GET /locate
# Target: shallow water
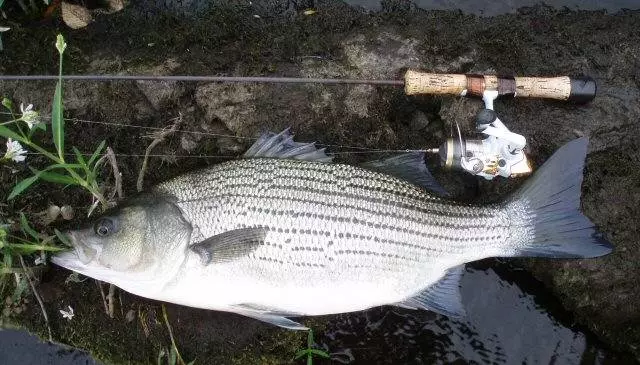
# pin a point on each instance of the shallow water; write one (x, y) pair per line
(511, 319)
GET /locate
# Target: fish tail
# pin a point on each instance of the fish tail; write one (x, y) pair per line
(546, 210)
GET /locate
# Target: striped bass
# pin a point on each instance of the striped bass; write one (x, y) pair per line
(284, 232)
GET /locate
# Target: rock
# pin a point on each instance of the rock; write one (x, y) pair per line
(75, 16)
(419, 121)
(233, 104)
(189, 142)
(359, 99)
(382, 57)
(161, 93)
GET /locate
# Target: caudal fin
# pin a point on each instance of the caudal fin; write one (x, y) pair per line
(548, 204)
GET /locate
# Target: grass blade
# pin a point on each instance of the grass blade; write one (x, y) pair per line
(79, 156)
(8, 133)
(63, 238)
(26, 228)
(300, 353)
(320, 353)
(96, 153)
(56, 178)
(57, 122)
(22, 186)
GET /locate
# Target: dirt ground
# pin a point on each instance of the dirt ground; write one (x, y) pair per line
(337, 41)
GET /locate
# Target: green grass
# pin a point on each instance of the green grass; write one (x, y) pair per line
(310, 351)
(27, 130)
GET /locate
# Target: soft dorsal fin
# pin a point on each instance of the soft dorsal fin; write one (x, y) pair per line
(408, 166)
(229, 246)
(282, 145)
(442, 297)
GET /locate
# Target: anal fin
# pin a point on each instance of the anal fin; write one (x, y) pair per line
(263, 314)
(442, 297)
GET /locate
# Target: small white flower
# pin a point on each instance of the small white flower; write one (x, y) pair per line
(67, 314)
(15, 151)
(29, 116)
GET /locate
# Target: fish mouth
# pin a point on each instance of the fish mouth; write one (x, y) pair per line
(76, 258)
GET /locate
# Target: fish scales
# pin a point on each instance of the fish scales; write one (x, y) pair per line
(330, 222)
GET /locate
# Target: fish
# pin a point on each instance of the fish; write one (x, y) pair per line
(284, 232)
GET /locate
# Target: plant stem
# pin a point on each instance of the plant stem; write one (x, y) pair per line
(35, 293)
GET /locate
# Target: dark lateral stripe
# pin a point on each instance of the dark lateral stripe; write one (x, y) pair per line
(438, 208)
(385, 202)
(415, 218)
(336, 173)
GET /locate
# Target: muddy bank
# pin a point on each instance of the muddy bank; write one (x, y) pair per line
(337, 41)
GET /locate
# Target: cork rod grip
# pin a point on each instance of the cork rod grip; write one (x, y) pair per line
(427, 83)
(543, 87)
(577, 90)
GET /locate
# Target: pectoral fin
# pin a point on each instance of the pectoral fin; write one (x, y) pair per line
(443, 297)
(229, 246)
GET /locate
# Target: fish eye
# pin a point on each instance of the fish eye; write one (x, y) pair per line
(104, 227)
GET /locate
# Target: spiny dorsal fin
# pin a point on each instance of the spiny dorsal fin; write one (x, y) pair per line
(408, 166)
(229, 246)
(442, 297)
(282, 145)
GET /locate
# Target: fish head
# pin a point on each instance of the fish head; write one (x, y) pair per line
(136, 242)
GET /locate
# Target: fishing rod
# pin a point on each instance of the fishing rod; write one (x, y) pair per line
(576, 90)
(499, 153)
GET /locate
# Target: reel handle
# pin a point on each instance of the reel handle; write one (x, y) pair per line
(578, 90)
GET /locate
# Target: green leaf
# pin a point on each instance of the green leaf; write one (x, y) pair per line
(8, 133)
(301, 353)
(7, 102)
(320, 353)
(79, 156)
(26, 228)
(61, 166)
(22, 186)
(56, 178)
(63, 238)
(57, 122)
(96, 153)
(173, 356)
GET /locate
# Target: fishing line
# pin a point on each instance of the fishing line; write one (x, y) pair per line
(362, 150)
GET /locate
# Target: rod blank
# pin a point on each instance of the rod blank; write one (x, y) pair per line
(239, 79)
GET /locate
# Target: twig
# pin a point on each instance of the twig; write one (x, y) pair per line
(110, 299)
(104, 298)
(35, 293)
(158, 137)
(121, 306)
(116, 174)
